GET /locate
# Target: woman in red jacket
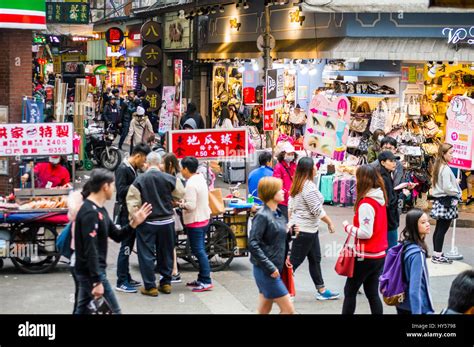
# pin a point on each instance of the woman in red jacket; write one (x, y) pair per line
(370, 230)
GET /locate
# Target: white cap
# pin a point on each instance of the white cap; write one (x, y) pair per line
(284, 146)
(140, 111)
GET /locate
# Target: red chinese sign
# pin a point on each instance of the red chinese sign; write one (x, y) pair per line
(268, 120)
(209, 143)
(36, 139)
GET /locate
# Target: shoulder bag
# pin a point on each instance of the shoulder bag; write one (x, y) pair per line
(346, 261)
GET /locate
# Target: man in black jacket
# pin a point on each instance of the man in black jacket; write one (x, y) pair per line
(388, 164)
(192, 112)
(93, 227)
(156, 237)
(129, 106)
(125, 174)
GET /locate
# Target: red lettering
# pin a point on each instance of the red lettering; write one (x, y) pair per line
(3, 132)
(17, 133)
(46, 131)
(62, 130)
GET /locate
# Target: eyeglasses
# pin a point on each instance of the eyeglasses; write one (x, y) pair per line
(389, 148)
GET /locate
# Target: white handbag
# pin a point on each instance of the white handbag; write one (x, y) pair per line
(381, 119)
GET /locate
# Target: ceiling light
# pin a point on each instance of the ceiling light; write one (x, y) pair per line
(237, 5)
(221, 9)
(246, 5)
(214, 9)
(200, 12)
(267, 3)
(181, 14)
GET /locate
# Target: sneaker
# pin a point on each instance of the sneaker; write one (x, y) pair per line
(441, 260)
(134, 283)
(193, 284)
(149, 292)
(165, 288)
(126, 288)
(176, 278)
(203, 287)
(470, 200)
(327, 295)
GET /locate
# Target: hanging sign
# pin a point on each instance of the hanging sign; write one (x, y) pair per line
(460, 131)
(114, 36)
(36, 139)
(268, 117)
(326, 127)
(209, 143)
(150, 77)
(275, 89)
(151, 55)
(67, 12)
(33, 111)
(150, 31)
(153, 98)
(178, 78)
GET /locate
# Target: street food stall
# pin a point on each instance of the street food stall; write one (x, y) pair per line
(31, 218)
(228, 231)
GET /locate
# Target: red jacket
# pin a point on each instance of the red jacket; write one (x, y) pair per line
(370, 226)
(58, 175)
(286, 174)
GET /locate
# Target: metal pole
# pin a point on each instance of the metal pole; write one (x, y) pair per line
(453, 253)
(267, 59)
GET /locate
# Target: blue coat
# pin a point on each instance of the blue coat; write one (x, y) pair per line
(418, 299)
(255, 177)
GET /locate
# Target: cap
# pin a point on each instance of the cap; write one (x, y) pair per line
(190, 122)
(140, 111)
(387, 155)
(285, 147)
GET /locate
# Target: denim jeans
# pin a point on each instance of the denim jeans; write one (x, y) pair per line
(306, 245)
(392, 238)
(155, 242)
(196, 238)
(123, 136)
(84, 295)
(126, 247)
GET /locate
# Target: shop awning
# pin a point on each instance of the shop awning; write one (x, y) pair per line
(290, 49)
(420, 49)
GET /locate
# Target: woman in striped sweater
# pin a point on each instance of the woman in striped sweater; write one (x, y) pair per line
(305, 209)
(370, 230)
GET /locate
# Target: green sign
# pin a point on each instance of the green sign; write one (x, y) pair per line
(67, 12)
(412, 74)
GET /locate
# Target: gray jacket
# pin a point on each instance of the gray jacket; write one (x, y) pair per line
(268, 240)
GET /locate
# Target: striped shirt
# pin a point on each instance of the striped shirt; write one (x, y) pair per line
(306, 208)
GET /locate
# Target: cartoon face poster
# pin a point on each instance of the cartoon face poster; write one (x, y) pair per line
(327, 125)
(460, 131)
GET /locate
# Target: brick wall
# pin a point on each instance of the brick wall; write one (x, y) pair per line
(15, 82)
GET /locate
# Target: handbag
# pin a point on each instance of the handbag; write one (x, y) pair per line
(346, 261)
(430, 128)
(178, 225)
(297, 116)
(380, 118)
(288, 279)
(426, 107)
(255, 137)
(216, 202)
(363, 108)
(353, 141)
(364, 145)
(414, 107)
(358, 124)
(430, 148)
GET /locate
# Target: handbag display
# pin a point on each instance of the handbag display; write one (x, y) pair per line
(414, 108)
(426, 107)
(364, 145)
(353, 141)
(430, 128)
(346, 261)
(216, 202)
(358, 124)
(340, 87)
(363, 108)
(255, 136)
(381, 118)
(297, 116)
(430, 148)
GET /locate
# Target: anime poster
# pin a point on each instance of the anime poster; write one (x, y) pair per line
(327, 125)
(460, 131)
(178, 80)
(167, 109)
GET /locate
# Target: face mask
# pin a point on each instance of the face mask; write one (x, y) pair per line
(380, 138)
(289, 158)
(54, 161)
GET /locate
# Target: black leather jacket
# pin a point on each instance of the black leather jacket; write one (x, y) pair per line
(268, 240)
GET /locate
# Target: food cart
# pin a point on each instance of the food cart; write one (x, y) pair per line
(30, 224)
(228, 231)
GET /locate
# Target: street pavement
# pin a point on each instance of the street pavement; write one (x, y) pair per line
(234, 291)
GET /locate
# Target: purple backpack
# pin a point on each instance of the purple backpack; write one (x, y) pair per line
(393, 285)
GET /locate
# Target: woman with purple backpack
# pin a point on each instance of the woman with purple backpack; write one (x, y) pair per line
(417, 296)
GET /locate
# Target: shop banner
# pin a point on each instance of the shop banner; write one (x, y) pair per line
(327, 126)
(67, 12)
(268, 118)
(460, 131)
(178, 78)
(23, 14)
(36, 139)
(275, 89)
(209, 143)
(167, 109)
(33, 111)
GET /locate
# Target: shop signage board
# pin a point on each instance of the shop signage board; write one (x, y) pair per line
(460, 131)
(150, 77)
(153, 98)
(167, 110)
(67, 12)
(177, 32)
(268, 118)
(327, 125)
(459, 35)
(114, 36)
(178, 79)
(23, 14)
(209, 143)
(36, 139)
(275, 89)
(151, 31)
(33, 111)
(151, 55)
